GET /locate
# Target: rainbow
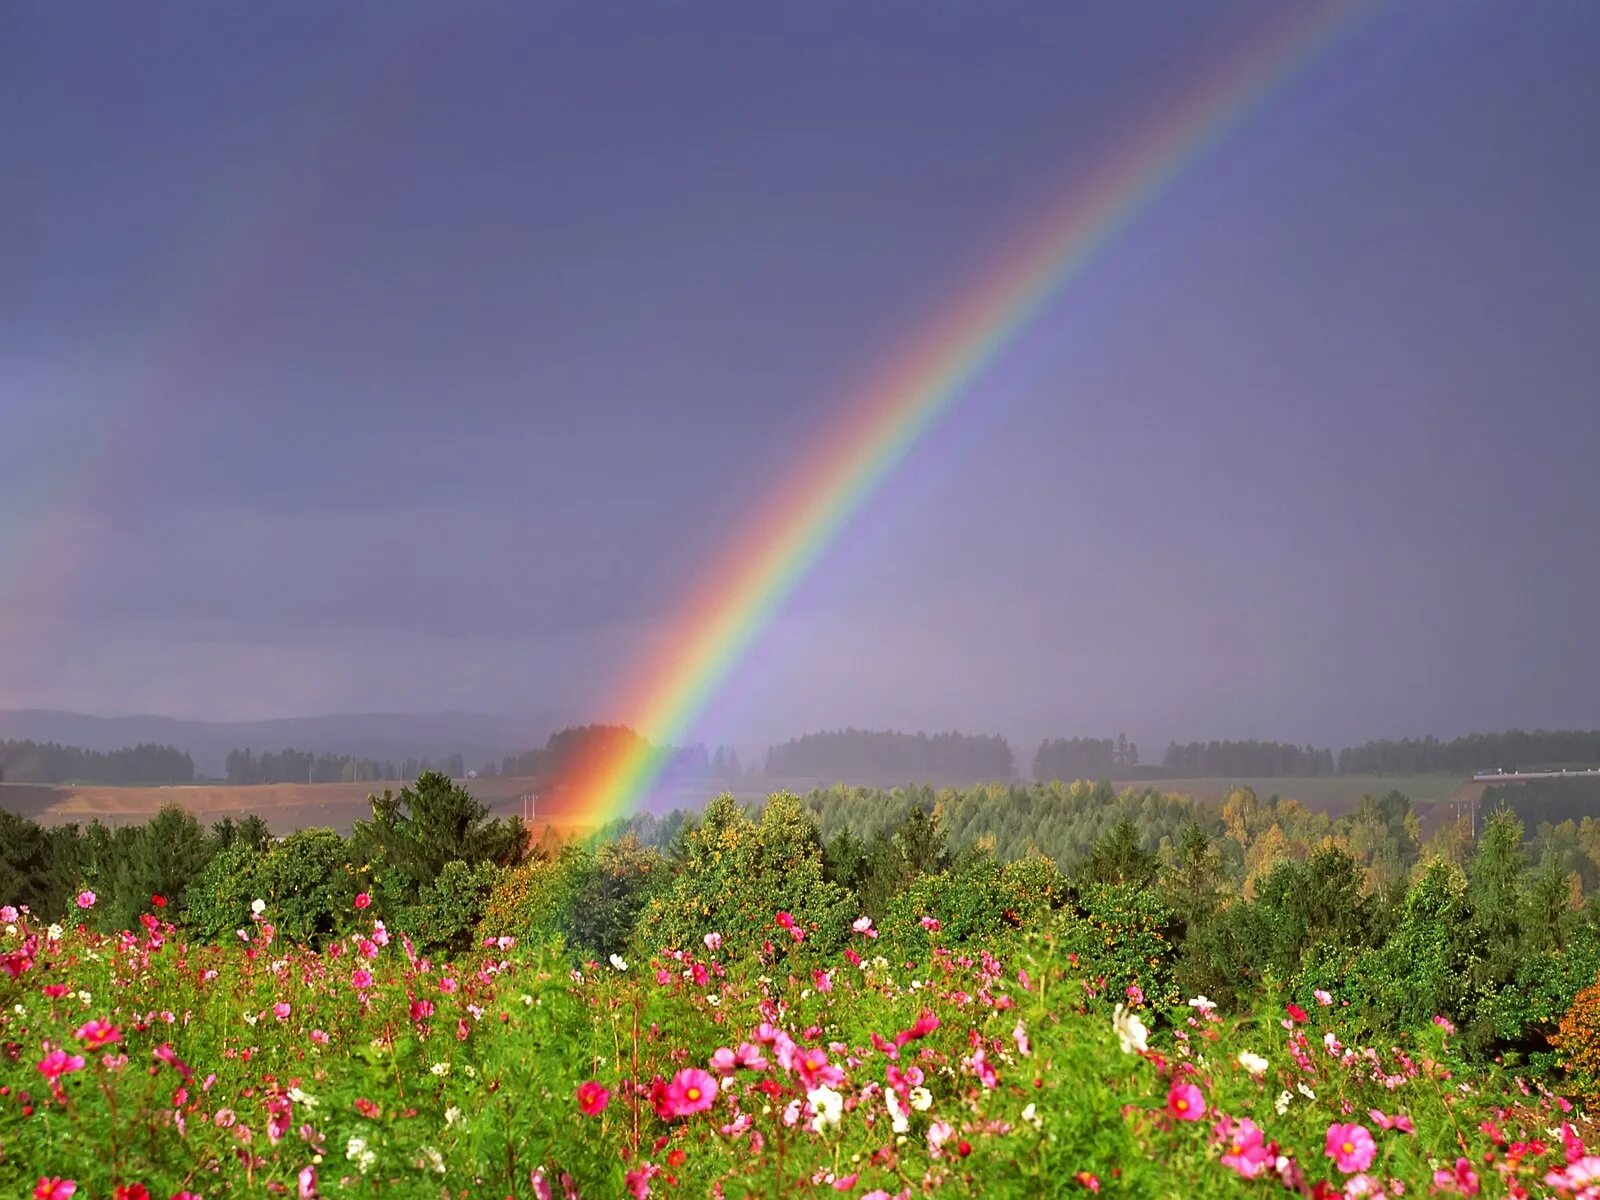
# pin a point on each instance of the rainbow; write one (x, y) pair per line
(740, 597)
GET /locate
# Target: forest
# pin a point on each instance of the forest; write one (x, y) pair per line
(49, 762)
(861, 752)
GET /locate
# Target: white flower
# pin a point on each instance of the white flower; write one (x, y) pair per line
(1281, 1104)
(1305, 1091)
(713, 999)
(897, 1115)
(452, 1117)
(619, 962)
(258, 906)
(300, 1097)
(356, 1151)
(432, 1158)
(1253, 1063)
(828, 1106)
(921, 1099)
(1130, 1030)
(441, 1069)
(53, 933)
(19, 1010)
(1031, 1116)
(527, 1000)
(250, 1018)
(1203, 1006)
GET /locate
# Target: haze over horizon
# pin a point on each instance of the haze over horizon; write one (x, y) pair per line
(404, 359)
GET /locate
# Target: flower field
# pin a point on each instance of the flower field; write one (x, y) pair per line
(135, 1065)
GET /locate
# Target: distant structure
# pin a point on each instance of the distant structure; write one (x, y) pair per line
(529, 802)
(1498, 775)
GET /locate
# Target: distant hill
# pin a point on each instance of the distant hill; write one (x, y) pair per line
(478, 737)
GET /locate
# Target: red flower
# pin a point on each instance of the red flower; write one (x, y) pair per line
(159, 901)
(785, 921)
(131, 1191)
(592, 1098)
(1297, 1013)
(362, 899)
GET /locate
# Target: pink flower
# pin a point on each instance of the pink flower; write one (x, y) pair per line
(1246, 1153)
(1444, 1023)
(1351, 1147)
(8, 915)
(931, 924)
(421, 1010)
(361, 979)
(723, 1062)
(1399, 1121)
(281, 1010)
(713, 941)
(85, 900)
(541, 1185)
(1322, 997)
(785, 921)
(863, 925)
(307, 1189)
(53, 1187)
(980, 1066)
(319, 1036)
(1135, 994)
(1020, 1036)
(96, 1034)
(592, 1098)
(1462, 1179)
(363, 899)
(58, 1063)
(690, 1091)
(1185, 1102)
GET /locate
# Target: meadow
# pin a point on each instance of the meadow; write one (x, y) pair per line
(434, 1007)
(140, 1065)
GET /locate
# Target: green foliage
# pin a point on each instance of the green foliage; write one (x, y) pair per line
(735, 874)
(447, 909)
(606, 903)
(1124, 933)
(413, 835)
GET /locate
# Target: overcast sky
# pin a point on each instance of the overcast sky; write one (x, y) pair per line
(418, 356)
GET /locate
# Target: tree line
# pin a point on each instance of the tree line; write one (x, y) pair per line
(1246, 760)
(1084, 757)
(903, 755)
(1475, 752)
(244, 767)
(50, 762)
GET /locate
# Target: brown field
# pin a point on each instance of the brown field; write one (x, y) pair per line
(285, 806)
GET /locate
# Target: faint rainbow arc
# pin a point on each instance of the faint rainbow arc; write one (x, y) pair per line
(805, 516)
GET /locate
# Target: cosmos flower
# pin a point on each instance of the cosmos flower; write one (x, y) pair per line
(592, 1098)
(1351, 1147)
(1185, 1101)
(690, 1091)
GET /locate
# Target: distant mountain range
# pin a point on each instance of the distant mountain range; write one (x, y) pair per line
(478, 737)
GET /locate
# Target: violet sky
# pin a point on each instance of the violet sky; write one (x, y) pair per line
(417, 356)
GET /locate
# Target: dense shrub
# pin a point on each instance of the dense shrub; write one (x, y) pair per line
(736, 873)
(1578, 1042)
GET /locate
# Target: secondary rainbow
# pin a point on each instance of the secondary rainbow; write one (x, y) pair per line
(804, 516)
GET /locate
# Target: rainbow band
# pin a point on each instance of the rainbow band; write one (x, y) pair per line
(739, 600)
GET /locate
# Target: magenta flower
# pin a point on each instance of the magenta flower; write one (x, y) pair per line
(53, 1187)
(690, 1091)
(1246, 1152)
(1461, 1179)
(1185, 1101)
(363, 899)
(361, 979)
(58, 1063)
(592, 1098)
(97, 1033)
(85, 900)
(1351, 1147)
